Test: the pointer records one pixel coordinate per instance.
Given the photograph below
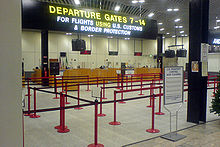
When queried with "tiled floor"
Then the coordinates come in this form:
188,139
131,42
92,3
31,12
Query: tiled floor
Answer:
134,116
204,135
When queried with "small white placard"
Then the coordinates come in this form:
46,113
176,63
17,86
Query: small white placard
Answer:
129,72
173,85
118,72
96,92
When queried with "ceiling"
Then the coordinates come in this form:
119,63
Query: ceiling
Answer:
158,7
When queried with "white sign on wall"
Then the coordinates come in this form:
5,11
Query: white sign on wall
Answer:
173,85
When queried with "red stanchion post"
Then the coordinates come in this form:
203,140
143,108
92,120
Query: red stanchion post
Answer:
101,114
96,144
160,94
29,103
55,87
122,94
213,95
118,81
28,87
103,89
62,83
62,128
126,82
151,93
153,130
97,81
141,91
78,108
88,84
114,122
66,102
131,82
35,105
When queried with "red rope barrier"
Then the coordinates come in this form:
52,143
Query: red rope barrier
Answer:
141,92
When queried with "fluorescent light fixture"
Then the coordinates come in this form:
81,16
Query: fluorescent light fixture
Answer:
185,35
162,29
181,32
90,35
173,36
169,10
168,33
175,9
117,8
109,37
127,38
134,2
182,35
218,20
163,37
177,20
77,2
180,27
68,33
160,23
217,27
151,14
141,1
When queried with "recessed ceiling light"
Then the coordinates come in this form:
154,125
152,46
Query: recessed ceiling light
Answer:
168,33
77,2
169,10
151,14
181,32
162,29
134,2
68,33
117,8
176,9
160,23
177,20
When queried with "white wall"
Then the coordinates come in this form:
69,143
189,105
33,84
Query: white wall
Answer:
181,61
10,74
214,62
213,59
58,42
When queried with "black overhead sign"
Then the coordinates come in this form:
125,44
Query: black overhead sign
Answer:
48,16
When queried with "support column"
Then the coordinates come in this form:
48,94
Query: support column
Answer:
44,57
159,51
198,33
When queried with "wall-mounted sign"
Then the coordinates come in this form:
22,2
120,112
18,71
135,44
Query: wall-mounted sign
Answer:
214,41
113,53
137,53
49,16
86,52
195,66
